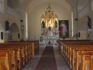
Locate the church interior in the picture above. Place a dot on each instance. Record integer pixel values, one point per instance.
(46, 34)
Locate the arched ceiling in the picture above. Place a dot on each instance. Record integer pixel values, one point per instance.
(22, 5)
(60, 3)
(33, 3)
(61, 7)
(25, 3)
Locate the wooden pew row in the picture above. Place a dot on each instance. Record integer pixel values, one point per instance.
(75, 51)
(25, 49)
(69, 58)
(34, 45)
(19, 54)
(4, 60)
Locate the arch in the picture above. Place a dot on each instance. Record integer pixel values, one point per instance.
(14, 32)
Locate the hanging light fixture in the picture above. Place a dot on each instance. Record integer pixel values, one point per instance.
(49, 18)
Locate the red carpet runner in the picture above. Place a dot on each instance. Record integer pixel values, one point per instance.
(47, 61)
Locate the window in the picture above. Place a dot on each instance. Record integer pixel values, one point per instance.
(1, 35)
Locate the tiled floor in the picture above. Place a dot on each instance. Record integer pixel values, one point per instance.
(61, 64)
(34, 61)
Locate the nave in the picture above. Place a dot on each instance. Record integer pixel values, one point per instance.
(24, 23)
(29, 55)
(48, 58)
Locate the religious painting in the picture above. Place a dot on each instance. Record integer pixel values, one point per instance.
(63, 29)
(43, 28)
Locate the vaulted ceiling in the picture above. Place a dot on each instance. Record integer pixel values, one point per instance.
(25, 3)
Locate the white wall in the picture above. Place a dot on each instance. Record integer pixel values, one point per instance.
(84, 10)
(8, 14)
(34, 17)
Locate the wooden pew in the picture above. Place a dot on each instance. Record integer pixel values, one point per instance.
(77, 54)
(73, 52)
(4, 60)
(35, 47)
(13, 50)
(19, 53)
(24, 52)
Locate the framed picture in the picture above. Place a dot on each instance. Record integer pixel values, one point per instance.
(63, 29)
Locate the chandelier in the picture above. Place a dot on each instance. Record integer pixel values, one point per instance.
(49, 18)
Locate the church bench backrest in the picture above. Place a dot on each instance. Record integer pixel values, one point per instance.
(4, 60)
(21, 50)
(82, 50)
(20, 54)
(13, 55)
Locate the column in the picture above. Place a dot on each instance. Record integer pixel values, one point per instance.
(75, 16)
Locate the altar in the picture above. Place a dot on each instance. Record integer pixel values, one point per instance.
(49, 26)
(50, 36)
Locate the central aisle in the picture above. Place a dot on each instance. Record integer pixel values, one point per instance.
(47, 60)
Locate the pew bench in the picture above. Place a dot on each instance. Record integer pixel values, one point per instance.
(75, 51)
(17, 54)
(4, 60)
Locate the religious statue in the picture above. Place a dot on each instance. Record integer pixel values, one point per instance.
(43, 24)
(89, 22)
(50, 32)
